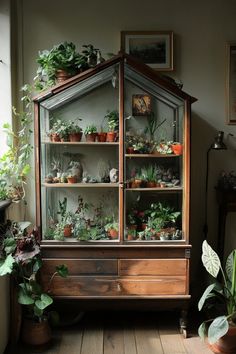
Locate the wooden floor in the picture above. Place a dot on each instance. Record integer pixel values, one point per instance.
(123, 333)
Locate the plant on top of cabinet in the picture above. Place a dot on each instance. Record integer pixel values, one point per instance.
(90, 133)
(113, 125)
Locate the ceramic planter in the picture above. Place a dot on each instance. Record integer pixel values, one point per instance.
(226, 344)
(151, 184)
(72, 179)
(113, 233)
(35, 333)
(55, 137)
(177, 149)
(130, 150)
(67, 231)
(62, 75)
(74, 137)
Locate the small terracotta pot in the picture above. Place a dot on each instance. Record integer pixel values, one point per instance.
(177, 149)
(55, 137)
(111, 136)
(151, 184)
(67, 231)
(137, 183)
(102, 137)
(226, 344)
(113, 234)
(72, 179)
(73, 137)
(130, 237)
(90, 138)
(130, 150)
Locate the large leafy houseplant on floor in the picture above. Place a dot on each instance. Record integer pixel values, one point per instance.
(219, 298)
(20, 256)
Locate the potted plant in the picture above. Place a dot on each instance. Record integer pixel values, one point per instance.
(131, 234)
(90, 133)
(220, 329)
(113, 125)
(74, 131)
(55, 130)
(57, 64)
(112, 228)
(149, 175)
(20, 257)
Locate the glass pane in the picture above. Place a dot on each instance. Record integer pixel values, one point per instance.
(154, 176)
(79, 172)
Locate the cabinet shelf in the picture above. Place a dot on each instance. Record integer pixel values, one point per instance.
(80, 185)
(159, 189)
(151, 155)
(96, 143)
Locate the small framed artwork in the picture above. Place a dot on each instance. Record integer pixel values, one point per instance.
(141, 105)
(153, 48)
(231, 82)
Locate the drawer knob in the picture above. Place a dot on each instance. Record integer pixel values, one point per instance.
(118, 287)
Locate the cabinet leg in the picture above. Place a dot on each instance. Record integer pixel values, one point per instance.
(183, 323)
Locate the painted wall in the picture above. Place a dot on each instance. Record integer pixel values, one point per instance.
(201, 30)
(5, 116)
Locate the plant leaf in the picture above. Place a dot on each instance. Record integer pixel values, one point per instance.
(37, 265)
(9, 245)
(45, 301)
(6, 265)
(62, 270)
(217, 329)
(229, 265)
(202, 330)
(210, 259)
(205, 296)
(24, 299)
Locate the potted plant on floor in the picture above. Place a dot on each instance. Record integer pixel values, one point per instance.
(20, 257)
(220, 329)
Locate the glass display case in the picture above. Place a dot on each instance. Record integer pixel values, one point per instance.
(113, 183)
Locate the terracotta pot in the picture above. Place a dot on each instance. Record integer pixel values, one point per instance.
(113, 233)
(73, 137)
(35, 333)
(130, 237)
(90, 137)
(226, 344)
(177, 149)
(102, 137)
(72, 179)
(62, 75)
(55, 137)
(111, 136)
(137, 183)
(151, 184)
(130, 150)
(68, 231)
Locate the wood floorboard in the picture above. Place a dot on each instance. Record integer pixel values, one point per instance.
(122, 333)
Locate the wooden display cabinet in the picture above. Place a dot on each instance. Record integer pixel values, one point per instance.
(146, 195)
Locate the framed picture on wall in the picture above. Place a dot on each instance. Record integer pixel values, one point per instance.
(141, 105)
(153, 48)
(231, 82)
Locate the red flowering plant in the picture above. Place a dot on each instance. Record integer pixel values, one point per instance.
(20, 256)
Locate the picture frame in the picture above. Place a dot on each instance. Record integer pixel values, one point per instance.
(141, 105)
(154, 48)
(230, 97)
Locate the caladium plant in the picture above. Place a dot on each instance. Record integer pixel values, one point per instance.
(221, 294)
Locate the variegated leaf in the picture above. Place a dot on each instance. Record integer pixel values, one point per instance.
(210, 259)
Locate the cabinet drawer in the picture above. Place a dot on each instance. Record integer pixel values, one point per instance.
(107, 286)
(82, 266)
(157, 267)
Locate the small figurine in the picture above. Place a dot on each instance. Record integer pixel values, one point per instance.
(113, 175)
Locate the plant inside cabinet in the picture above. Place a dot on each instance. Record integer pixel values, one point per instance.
(127, 210)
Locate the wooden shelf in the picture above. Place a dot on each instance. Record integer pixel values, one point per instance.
(96, 143)
(80, 185)
(159, 189)
(151, 155)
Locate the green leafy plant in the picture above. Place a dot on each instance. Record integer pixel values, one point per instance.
(14, 163)
(90, 129)
(73, 127)
(152, 125)
(162, 215)
(149, 173)
(221, 294)
(112, 120)
(20, 256)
